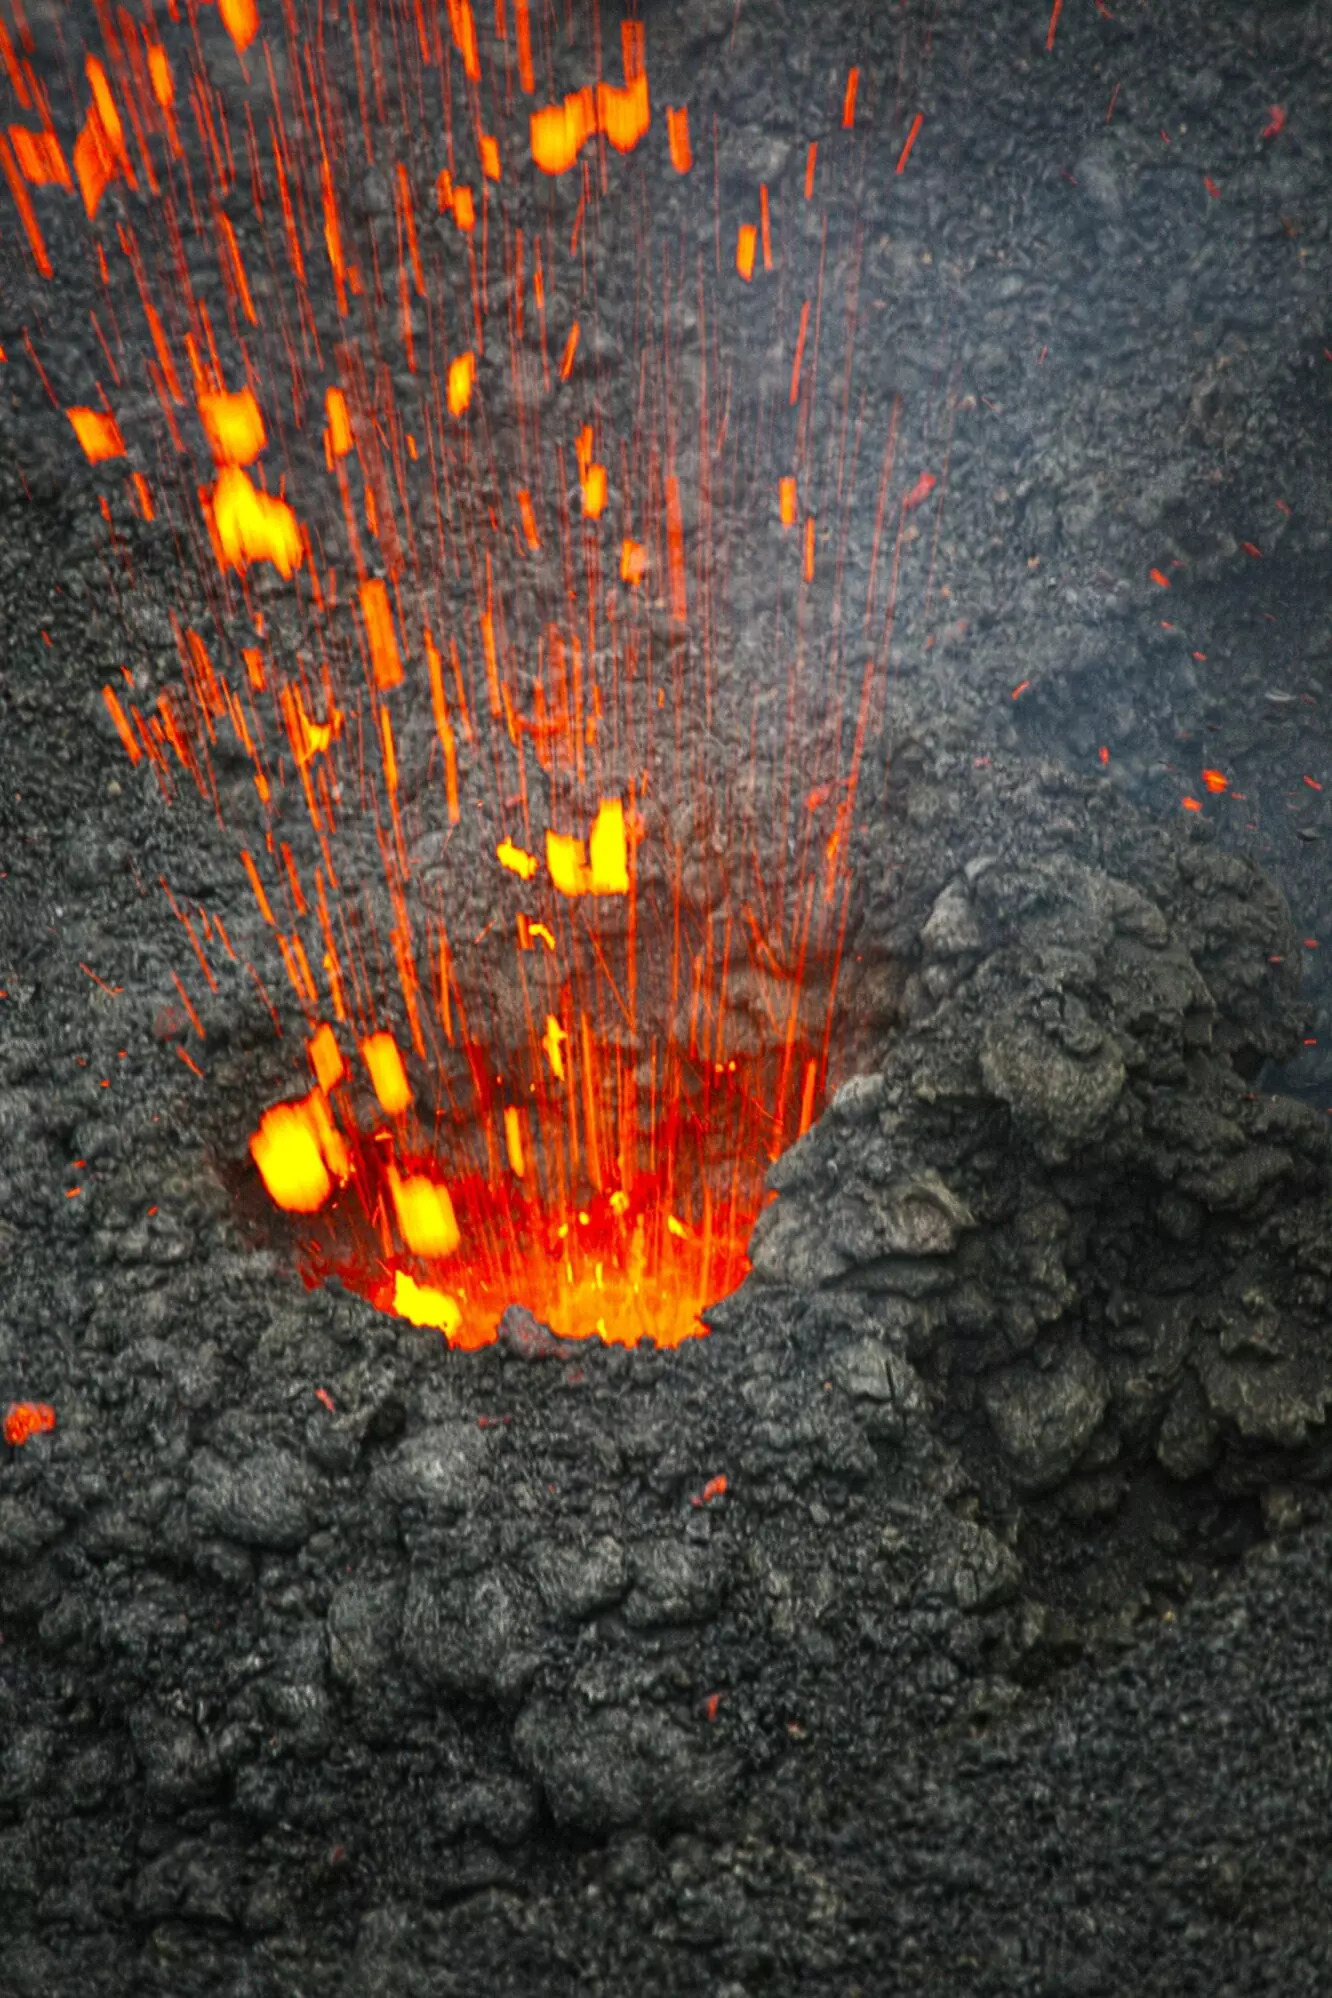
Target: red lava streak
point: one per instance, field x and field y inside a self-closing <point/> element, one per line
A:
<point x="566" y="972"/>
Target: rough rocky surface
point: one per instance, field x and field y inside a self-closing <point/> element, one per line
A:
<point x="336" y="1662"/>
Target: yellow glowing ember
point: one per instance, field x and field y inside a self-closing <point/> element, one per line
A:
<point x="553" y="1042"/>
<point x="560" y="131"/>
<point x="425" y="1214"/>
<point x="233" y="426"/>
<point x="98" y="433"/>
<point x="524" y="865"/>
<point x="566" y="859"/>
<point x="609" y="850"/>
<point x="787" y="494"/>
<point x="252" y="526"/>
<point x="389" y="1077"/>
<point x="602" y="868"/>
<point x="462" y="373"/>
<point x="633" y="562"/>
<point x="513" y="1139"/>
<point x="286" y="1150"/>
<point x="594" y="492"/>
<point x="745" y="246"/>
<point x="422" y="1305"/>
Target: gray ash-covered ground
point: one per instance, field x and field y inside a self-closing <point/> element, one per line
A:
<point x="1001" y="1663"/>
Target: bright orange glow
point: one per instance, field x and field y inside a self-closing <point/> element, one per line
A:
<point x="233" y="426"/>
<point x="240" y="18"/>
<point x="287" y="1152"/>
<point x="422" y="1305"/>
<point x="624" y="115"/>
<point x="40" y="159"/>
<point x="528" y="517"/>
<point x="849" y="100"/>
<point x="307" y="738"/>
<point x="787" y="495"/>
<point x="745" y="248"/>
<point x="633" y="562"/>
<point x="464" y="209"/>
<point x="27" y="1418"/>
<point x="160" y="77"/>
<point x="462" y="373"/>
<point x="385" y="659"/>
<point x="98" y="433"/>
<point x="326" y="1057"/>
<point x="425" y="1216"/>
<point x="339" y="423"/>
<point x="524" y="865"/>
<point x="677" y="129"/>
<point x="1215" y="781"/>
<point x="94" y="164"/>
<point x="387" y="1074"/>
<point x="490" y="159"/>
<point x="252" y="526"/>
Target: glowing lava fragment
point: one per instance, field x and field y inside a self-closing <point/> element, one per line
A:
<point x="920" y="492"/>
<point x="745" y="245"/>
<point x="462" y="374"/>
<point x="339" y="423"/>
<point x="624" y="115"/>
<point x="385" y="659"/>
<point x="609" y="851"/>
<point x="560" y="131"/>
<point x="633" y="562"/>
<point x="419" y="1304"/>
<point x="27" y="1418"/>
<point x="594" y="492"/>
<point x="464" y="209"/>
<point x="524" y="865"/>
<point x="490" y="159"/>
<point x="286" y="1150"/>
<point x="40" y="159"/>
<point x="387" y="1074"/>
<point x="240" y="18"/>
<point x="233" y="426"/>
<point x="98" y="433"/>
<point x="677" y="131"/>
<point x="326" y="1057"/>
<point x="252" y="526"/>
<point x="425" y="1214"/>
<point x="513" y="1140"/>
<point x="786" y="493"/>
<point x="1215" y="780"/>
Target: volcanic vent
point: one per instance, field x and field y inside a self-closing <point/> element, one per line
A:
<point x="542" y="807"/>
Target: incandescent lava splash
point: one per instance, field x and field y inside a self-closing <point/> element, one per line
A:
<point x="544" y="816"/>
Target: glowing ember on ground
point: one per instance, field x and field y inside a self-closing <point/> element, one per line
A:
<point x="27" y="1418"/>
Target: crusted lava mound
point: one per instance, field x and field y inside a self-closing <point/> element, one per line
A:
<point x="310" y="1623"/>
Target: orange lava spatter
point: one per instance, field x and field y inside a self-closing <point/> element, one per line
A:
<point x="566" y="973"/>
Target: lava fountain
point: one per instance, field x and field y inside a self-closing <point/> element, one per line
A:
<point x="545" y="815"/>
